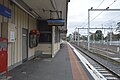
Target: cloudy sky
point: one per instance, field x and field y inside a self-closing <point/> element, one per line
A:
<point x="78" y="14"/>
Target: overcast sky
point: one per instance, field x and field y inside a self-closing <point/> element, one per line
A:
<point x="78" y="14"/>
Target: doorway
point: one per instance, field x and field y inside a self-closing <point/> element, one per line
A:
<point x="24" y="45"/>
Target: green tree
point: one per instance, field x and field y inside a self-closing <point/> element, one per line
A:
<point x="114" y="36"/>
<point x="118" y="27"/>
<point x="92" y="36"/>
<point x="118" y="36"/>
<point x="83" y="37"/>
<point x="98" y="35"/>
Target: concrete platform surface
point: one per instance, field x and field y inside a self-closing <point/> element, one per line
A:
<point x="57" y="68"/>
<point x="64" y="66"/>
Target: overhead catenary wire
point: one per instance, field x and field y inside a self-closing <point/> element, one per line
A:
<point x="94" y="18"/>
<point x="112" y="3"/>
<point x="118" y="16"/>
<point x="101" y="12"/>
<point x="92" y="13"/>
<point x="97" y="15"/>
<point x="100" y="4"/>
<point x="111" y="19"/>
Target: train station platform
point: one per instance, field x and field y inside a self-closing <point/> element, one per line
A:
<point x="64" y="66"/>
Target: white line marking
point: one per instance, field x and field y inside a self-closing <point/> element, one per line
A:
<point x="96" y="75"/>
<point x="107" y="74"/>
<point x="112" y="78"/>
<point x="101" y="69"/>
<point x="116" y="58"/>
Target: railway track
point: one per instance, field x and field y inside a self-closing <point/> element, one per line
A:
<point x="101" y="68"/>
<point x="102" y="53"/>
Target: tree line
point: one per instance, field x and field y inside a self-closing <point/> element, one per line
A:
<point x="97" y="36"/>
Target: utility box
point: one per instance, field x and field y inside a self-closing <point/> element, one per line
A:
<point x="3" y="55"/>
<point x="8" y="31"/>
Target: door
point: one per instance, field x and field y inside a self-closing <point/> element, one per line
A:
<point x="24" y="45"/>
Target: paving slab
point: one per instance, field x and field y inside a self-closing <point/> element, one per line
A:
<point x="57" y="68"/>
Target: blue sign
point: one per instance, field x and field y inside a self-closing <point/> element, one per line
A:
<point x="56" y="22"/>
<point x="4" y="11"/>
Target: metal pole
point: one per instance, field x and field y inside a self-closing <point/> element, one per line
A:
<point x="75" y="34"/>
<point x="94" y="39"/>
<point x="88" y="30"/>
<point x="71" y="38"/>
<point x="78" y="37"/>
<point x="111" y="37"/>
<point x="89" y="20"/>
<point x="104" y="35"/>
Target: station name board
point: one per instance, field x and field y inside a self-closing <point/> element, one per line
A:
<point x="4" y="11"/>
<point x="56" y="22"/>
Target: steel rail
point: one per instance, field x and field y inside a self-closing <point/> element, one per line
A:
<point x="113" y="72"/>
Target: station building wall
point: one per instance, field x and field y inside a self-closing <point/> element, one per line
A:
<point x="55" y="45"/>
<point x="49" y="42"/>
<point x="21" y="20"/>
<point x="50" y="48"/>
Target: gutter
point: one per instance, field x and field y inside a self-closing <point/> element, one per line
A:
<point x="14" y="1"/>
<point x="26" y="8"/>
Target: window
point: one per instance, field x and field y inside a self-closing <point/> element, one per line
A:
<point x="45" y="37"/>
<point x="45" y="32"/>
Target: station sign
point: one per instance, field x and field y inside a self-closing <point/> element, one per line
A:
<point x="56" y="22"/>
<point x="4" y="11"/>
